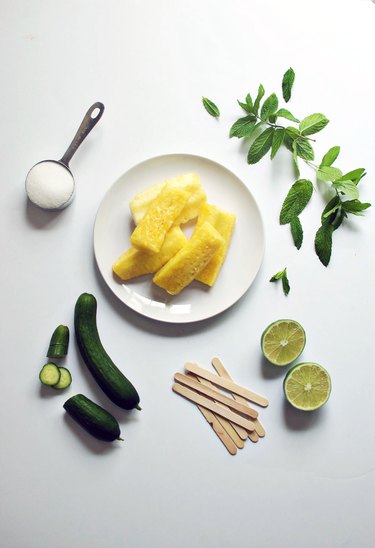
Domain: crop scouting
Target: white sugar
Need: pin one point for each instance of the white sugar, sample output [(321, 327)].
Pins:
[(50, 185)]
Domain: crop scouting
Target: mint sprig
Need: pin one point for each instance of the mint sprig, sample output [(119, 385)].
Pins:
[(282, 275), (268, 116)]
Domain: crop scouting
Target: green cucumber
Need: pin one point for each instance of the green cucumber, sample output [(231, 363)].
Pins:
[(49, 374), (58, 346), (65, 379), (108, 376), (93, 418)]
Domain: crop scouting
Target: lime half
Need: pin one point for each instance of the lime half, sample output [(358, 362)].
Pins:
[(307, 386), (283, 341)]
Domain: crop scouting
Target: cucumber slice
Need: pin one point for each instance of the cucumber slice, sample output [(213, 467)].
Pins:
[(65, 379), (58, 346), (49, 374)]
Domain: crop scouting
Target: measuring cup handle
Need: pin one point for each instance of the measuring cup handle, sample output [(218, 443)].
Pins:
[(88, 122)]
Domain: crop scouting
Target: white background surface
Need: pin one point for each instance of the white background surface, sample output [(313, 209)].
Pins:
[(310, 481)]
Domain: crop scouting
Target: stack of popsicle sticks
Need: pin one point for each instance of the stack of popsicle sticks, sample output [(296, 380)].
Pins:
[(229, 413)]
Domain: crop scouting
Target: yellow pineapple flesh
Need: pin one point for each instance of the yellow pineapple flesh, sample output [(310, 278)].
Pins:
[(224, 224), (142, 201), (189, 182), (181, 269), (134, 262), (194, 203), (150, 233)]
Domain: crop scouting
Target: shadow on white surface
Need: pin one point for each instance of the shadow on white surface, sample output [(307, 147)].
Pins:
[(96, 446), (270, 371), (42, 218), (296, 419), (48, 392)]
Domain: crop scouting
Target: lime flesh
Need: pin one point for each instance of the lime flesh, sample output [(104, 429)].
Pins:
[(283, 341), (307, 386)]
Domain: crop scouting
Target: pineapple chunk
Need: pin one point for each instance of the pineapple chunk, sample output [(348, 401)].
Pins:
[(190, 182), (224, 224), (150, 233), (193, 205), (134, 262), (142, 201), (179, 271)]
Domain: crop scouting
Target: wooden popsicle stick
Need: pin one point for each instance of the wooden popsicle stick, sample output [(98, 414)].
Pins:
[(218, 429), (226, 384), (241, 432), (253, 436), (231, 429), (213, 406), (223, 372), (220, 369), (216, 395), (259, 429)]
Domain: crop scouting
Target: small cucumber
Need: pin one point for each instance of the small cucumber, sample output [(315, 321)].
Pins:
[(65, 379), (93, 418), (109, 377), (49, 374), (58, 346)]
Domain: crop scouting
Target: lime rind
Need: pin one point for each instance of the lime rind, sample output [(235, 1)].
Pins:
[(283, 341), (307, 386)]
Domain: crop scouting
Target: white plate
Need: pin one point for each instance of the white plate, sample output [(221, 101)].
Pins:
[(113, 226)]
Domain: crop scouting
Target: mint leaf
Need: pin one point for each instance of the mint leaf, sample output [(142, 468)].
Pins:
[(269, 107), (297, 231), (339, 217), (330, 207), (355, 175), (243, 127), (296, 200), (288, 142), (330, 156), (284, 113), (313, 123), (332, 217), (327, 173), (277, 276), (295, 156), (355, 207), (245, 106), (211, 108), (287, 84), (277, 141), (333, 213), (282, 275), (304, 150), (323, 243), (329, 212), (248, 106), (292, 132), (348, 188), (249, 100), (285, 282), (260, 146), (258, 99)]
